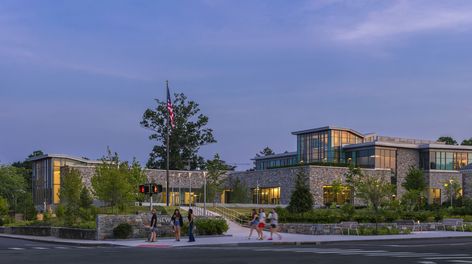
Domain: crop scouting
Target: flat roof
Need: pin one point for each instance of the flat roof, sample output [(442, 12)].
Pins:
[(406, 145), (319, 129), (64, 156), (280, 155)]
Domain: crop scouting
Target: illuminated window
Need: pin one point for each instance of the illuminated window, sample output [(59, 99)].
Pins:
[(434, 196), (56, 180), (266, 195), (336, 194)]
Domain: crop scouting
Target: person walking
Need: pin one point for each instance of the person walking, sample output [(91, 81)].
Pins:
[(274, 229), (177, 223), (153, 227), (261, 224), (191, 223), (253, 223)]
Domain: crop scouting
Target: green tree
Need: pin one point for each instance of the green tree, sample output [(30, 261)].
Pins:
[(352, 173), (26, 206), (69, 194), (12, 184), (448, 140), (137, 176), (415, 185), (301, 199), (337, 188), (265, 152), (189, 134), (467, 142), (453, 190), (4, 207), (86, 199), (239, 191), (373, 189), (26, 168), (215, 178), (113, 182)]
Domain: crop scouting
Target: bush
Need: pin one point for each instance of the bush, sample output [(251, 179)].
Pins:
[(123, 231), (87, 225), (60, 211), (208, 226), (161, 210), (369, 231)]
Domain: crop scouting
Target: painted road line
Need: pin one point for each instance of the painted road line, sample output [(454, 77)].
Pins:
[(16, 248), (40, 248)]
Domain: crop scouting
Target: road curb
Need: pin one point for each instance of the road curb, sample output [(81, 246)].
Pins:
[(40, 239)]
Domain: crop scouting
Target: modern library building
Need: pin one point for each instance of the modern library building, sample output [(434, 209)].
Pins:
[(323, 154)]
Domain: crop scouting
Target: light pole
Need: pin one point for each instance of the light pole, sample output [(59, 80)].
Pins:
[(450, 189), (204, 193), (257, 192), (180, 190)]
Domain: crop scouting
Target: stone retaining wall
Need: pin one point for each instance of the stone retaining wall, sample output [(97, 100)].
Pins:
[(60, 232), (139, 222), (330, 229)]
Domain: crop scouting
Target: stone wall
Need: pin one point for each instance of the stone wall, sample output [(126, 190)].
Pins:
[(139, 222), (60, 232), (183, 179), (467, 184), (332, 229), (284, 178), (405, 159), (437, 179)]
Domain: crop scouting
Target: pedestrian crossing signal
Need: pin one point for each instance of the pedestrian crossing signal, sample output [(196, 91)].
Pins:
[(152, 188), (156, 188)]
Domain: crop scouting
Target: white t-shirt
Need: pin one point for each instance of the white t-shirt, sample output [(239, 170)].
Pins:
[(262, 217), (273, 218)]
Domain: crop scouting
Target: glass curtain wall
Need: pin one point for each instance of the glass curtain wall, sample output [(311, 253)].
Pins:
[(325, 146), (371, 158), (442, 160)]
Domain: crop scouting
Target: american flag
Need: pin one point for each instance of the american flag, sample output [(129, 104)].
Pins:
[(170, 109)]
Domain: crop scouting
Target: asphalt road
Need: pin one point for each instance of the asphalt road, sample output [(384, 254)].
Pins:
[(458, 250)]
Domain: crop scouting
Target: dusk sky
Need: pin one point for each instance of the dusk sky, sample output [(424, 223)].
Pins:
[(76, 76)]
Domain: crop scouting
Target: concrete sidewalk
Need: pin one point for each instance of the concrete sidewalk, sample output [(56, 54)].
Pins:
[(241, 239)]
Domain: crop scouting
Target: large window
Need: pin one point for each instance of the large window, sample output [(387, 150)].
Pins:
[(442, 160), (434, 196), (325, 146), (373, 158), (266, 195), (336, 195)]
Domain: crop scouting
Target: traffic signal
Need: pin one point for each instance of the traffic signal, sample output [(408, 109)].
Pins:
[(144, 188), (156, 188)]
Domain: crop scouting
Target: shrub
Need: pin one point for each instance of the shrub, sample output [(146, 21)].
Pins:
[(123, 231), (87, 225), (161, 210), (369, 231), (301, 199), (60, 211), (208, 226)]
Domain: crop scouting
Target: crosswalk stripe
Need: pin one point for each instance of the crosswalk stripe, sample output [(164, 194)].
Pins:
[(41, 248), (61, 247), (16, 248), (460, 261)]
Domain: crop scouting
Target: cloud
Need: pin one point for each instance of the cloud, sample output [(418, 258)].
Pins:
[(408, 17)]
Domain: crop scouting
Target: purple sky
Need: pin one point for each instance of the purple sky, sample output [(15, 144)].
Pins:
[(76, 76)]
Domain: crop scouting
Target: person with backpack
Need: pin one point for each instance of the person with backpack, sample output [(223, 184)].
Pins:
[(274, 219), (177, 223)]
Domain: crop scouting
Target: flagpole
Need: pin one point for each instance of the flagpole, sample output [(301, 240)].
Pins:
[(167, 149)]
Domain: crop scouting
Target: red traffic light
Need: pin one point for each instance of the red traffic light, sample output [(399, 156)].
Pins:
[(141, 188)]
